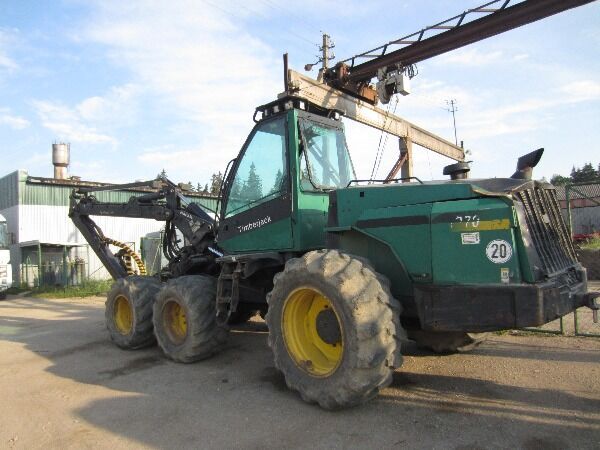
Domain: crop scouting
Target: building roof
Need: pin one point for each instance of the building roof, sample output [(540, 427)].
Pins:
[(581, 191)]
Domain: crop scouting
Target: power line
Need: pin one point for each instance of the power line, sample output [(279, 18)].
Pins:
[(290, 13), (257, 13)]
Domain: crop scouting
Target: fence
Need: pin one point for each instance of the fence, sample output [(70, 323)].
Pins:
[(51, 273), (151, 252)]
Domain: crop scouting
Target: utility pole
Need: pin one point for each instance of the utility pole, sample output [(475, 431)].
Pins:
[(452, 108), (327, 45), (325, 57)]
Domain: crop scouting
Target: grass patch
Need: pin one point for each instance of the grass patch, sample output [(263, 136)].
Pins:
[(591, 244), (86, 289), (14, 290)]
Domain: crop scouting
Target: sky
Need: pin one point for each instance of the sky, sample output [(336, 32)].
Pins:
[(141, 86)]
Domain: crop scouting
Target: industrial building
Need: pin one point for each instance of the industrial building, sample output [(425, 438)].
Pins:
[(46, 248), (584, 200)]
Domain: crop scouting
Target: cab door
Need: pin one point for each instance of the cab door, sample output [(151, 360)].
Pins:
[(257, 209)]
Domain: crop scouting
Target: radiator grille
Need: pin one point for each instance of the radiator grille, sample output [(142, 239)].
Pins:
[(548, 230)]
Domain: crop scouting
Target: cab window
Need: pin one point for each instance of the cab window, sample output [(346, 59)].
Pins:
[(260, 175), (325, 163)]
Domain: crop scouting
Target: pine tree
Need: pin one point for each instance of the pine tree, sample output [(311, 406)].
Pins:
[(586, 173), (236, 189), (162, 174), (215, 183), (252, 189), (278, 185)]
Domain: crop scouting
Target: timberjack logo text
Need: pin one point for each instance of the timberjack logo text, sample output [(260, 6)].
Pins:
[(252, 225)]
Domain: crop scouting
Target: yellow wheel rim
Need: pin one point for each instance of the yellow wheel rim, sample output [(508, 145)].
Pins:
[(123, 315), (175, 321), (315, 348)]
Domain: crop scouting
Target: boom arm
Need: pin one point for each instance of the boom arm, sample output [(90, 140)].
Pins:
[(456, 32), (165, 204)]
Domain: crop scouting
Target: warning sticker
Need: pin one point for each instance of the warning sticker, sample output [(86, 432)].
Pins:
[(469, 238), (504, 275), (498, 251)]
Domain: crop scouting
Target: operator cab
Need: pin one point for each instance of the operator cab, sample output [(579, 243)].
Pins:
[(276, 195)]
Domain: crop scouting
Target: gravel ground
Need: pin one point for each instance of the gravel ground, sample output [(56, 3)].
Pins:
[(64, 385)]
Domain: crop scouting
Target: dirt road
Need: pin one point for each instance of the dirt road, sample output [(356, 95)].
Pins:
[(64, 385)]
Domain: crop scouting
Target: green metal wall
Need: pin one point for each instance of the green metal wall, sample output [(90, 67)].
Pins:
[(9, 191), (15, 189)]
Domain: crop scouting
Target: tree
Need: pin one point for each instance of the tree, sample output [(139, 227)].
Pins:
[(216, 180), (559, 180), (252, 189), (278, 185), (236, 189), (162, 174), (586, 173)]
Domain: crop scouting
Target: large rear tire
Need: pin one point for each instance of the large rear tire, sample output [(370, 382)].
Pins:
[(446, 342), (128, 311), (185, 319), (334, 328)]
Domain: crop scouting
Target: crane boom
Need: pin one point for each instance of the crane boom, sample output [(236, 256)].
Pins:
[(458, 32)]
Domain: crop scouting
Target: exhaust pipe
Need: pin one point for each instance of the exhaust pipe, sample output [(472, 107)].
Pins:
[(526, 163)]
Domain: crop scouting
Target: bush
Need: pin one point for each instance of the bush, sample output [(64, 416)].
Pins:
[(592, 243)]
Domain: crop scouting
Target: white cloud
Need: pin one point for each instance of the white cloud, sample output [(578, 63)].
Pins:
[(583, 90), (470, 57), (200, 64), (478, 57), (7, 39), (12, 121), (67, 123), (92, 119)]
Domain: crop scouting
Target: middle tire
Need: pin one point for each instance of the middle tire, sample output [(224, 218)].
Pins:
[(334, 328), (185, 319)]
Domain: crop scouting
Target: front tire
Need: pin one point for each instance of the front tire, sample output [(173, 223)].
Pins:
[(334, 328), (185, 319), (128, 311)]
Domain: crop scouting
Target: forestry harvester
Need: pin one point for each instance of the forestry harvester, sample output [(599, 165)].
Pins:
[(343, 269)]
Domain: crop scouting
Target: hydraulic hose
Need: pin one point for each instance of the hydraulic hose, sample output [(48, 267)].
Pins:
[(129, 252)]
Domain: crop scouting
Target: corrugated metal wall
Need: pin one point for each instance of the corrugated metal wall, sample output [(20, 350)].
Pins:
[(584, 220), (209, 203), (58, 195), (51, 224), (9, 190), (11, 215), (38, 211)]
